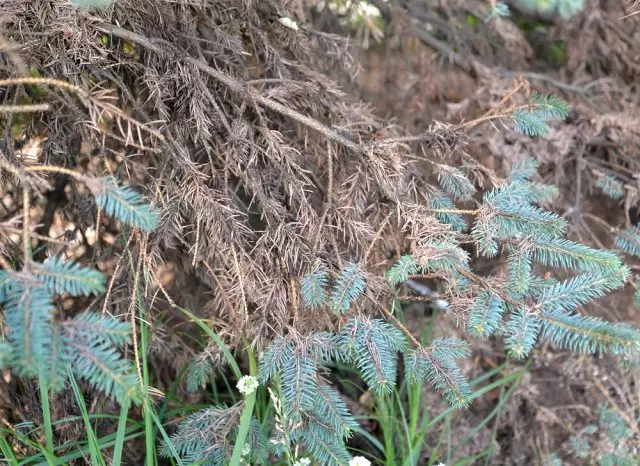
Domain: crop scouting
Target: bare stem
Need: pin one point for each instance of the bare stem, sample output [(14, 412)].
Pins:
[(401, 326), (26, 227), (454, 211), (27, 108)]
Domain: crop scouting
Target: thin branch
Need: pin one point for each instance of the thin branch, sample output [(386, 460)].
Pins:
[(377, 235), (239, 87), (26, 226), (27, 108)]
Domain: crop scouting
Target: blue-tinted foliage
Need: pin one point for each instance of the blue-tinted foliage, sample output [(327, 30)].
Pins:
[(126, 205), (562, 253), (628, 240), (437, 365), (439, 201), (519, 264), (521, 332), (372, 344), (588, 334), (485, 314), (405, 266), (348, 287), (204, 436), (569, 294), (198, 372), (89, 343), (455, 183), (611, 186), (532, 119), (314, 286), (68, 277), (523, 170)]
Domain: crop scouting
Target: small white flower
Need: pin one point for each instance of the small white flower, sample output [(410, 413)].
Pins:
[(442, 305), (441, 464), (247, 384), (246, 450), (359, 461), (302, 462), (288, 23)]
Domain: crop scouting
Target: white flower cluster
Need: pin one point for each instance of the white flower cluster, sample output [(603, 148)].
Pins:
[(247, 384), (359, 461), (302, 462)]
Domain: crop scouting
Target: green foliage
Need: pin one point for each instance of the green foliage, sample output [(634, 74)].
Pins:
[(628, 240), (348, 287), (66, 277), (437, 365), (485, 314), (564, 8), (372, 345), (89, 344), (455, 183), (125, 204), (314, 286), (533, 118), (611, 186), (608, 443), (439, 201)]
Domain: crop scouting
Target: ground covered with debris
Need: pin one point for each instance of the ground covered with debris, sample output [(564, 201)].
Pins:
[(267, 144)]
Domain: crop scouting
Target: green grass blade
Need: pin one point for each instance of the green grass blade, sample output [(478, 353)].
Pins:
[(120, 433), (94, 449), (245, 418), (149, 409), (46, 410), (7, 451)]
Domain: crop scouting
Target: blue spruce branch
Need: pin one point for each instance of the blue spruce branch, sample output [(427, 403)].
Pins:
[(485, 314), (314, 286), (372, 344), (628, 240), (439, 201), (455, 183), (68, 277), (522, 332), (348, 287), (611, 186), (125, 204)]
